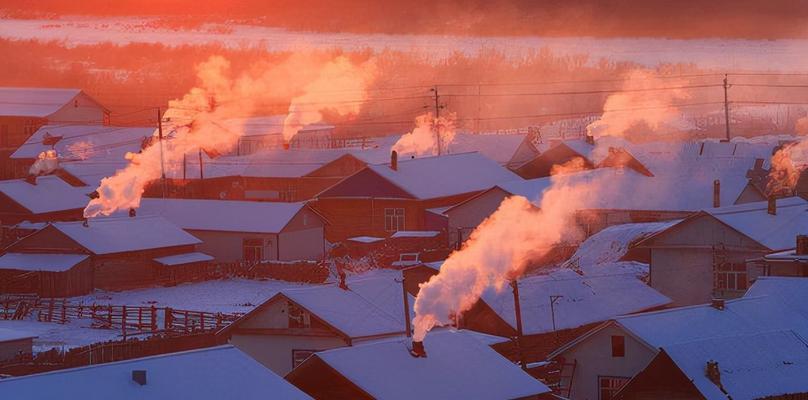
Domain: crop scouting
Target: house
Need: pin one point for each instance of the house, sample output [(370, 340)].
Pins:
[(207, 374), (382, 199), (792, 262), (286, 329), (106, 253), (604, 359), (46, 274), (24, 110), (269, 175), (15, 345), (771, 365), (457, 365), (560, 306), (233, 231), (588, 154), (704, 256), (41, 199)]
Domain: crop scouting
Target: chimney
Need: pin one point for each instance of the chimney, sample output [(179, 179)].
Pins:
[(85, 223), (716, 193), (31, 178), (132, 212), (802, 245), (418, 350), (342, 284), (286, 145), (713, 373), (139, 376), (394, 160), (772, 205), (589, 139), (718, 304)]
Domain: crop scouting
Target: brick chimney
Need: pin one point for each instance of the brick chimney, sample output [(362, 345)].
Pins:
[(802, 245), (718, 304), (418, 350), (139, 376), (713, 373), (132, 212), (394, 160), (716, 193), (772, 209), (589, 139), (31, 179)]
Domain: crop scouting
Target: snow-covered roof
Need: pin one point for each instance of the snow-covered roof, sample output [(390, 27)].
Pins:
[(223, 215), (415, 234), (371, 307), (365, 239), (751, 367), (458, 365), (787, 255), (92, 171), (210, 373), (611, 244), (792, 291), (499, 148), (10, 335), (776, 232), (80, 142), (49, 262), (50, 194), (586, 299), (267, 125), (748, 315), (182, 259), (531, 189), (121, 234), (33, 102), (440, 176)]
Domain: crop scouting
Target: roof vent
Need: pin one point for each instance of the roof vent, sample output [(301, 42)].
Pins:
[(139, 376), (718, 304), (418, 350), (394, 160), (802, 245), (713, 373), (31, 178), (772, 205)]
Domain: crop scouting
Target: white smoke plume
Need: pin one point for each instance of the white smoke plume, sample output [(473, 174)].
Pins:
[(656, 114), (218, 97), (499, 250), (430, 135), (45, 163), (788, 163)]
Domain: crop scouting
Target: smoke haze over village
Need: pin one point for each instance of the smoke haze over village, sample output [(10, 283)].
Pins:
[(403, 200)]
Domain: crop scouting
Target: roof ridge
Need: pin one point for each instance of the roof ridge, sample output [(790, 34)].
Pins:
[(683, 308)]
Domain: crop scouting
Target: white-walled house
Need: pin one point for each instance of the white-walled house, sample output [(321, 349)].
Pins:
[(233, 231), (704, 256), (286, 329), (607, 357)]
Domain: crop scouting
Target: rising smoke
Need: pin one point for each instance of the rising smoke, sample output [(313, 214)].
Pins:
[(45, 163), (219, 97), (431, 136)]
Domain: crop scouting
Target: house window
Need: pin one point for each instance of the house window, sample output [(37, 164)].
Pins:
[(298, 356), (618, 346), (731, 276), (298, 317), (253, 249), (608, 386), (393, 219)]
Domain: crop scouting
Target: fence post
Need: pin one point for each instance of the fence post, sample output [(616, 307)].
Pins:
[(123, 321), (167, 319), (50, 311), (153, 318), (64, 311), (109, 315), (186, 321), (140, 318), (202, 320)]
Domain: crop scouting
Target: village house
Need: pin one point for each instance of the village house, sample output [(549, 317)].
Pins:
[(770, 365), (24, 110), (456, 365), (206, 374), (72, 258), (583, 152), (380, 200), (76, 142), (235, 231), (15, 344), (286, 329), (40, 199), (792, 262), (269, 175), (600, 362), (705, 255)]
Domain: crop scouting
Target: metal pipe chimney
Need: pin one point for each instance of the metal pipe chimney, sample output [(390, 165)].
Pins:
[(394, 160), (716, 193), (772, 209)]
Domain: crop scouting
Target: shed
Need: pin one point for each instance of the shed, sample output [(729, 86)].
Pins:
[(43, 199), (15, 345)]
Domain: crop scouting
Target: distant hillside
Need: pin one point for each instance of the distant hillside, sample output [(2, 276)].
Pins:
[(600, 18)]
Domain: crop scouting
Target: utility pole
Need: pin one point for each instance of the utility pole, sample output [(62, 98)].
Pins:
[(519, 332), (726, 105), (201, 174), (407, 322), (162, 158), (553, 300), (436, 123)]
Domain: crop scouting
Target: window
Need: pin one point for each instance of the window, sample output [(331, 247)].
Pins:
[(618, 346), (298, 356), (253, 249), (731, 276), (393, 219), (298, 317), (608, 386)]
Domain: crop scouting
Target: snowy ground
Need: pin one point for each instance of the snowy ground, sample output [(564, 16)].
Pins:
[(76, 333), (227, 295), (736, 54)]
